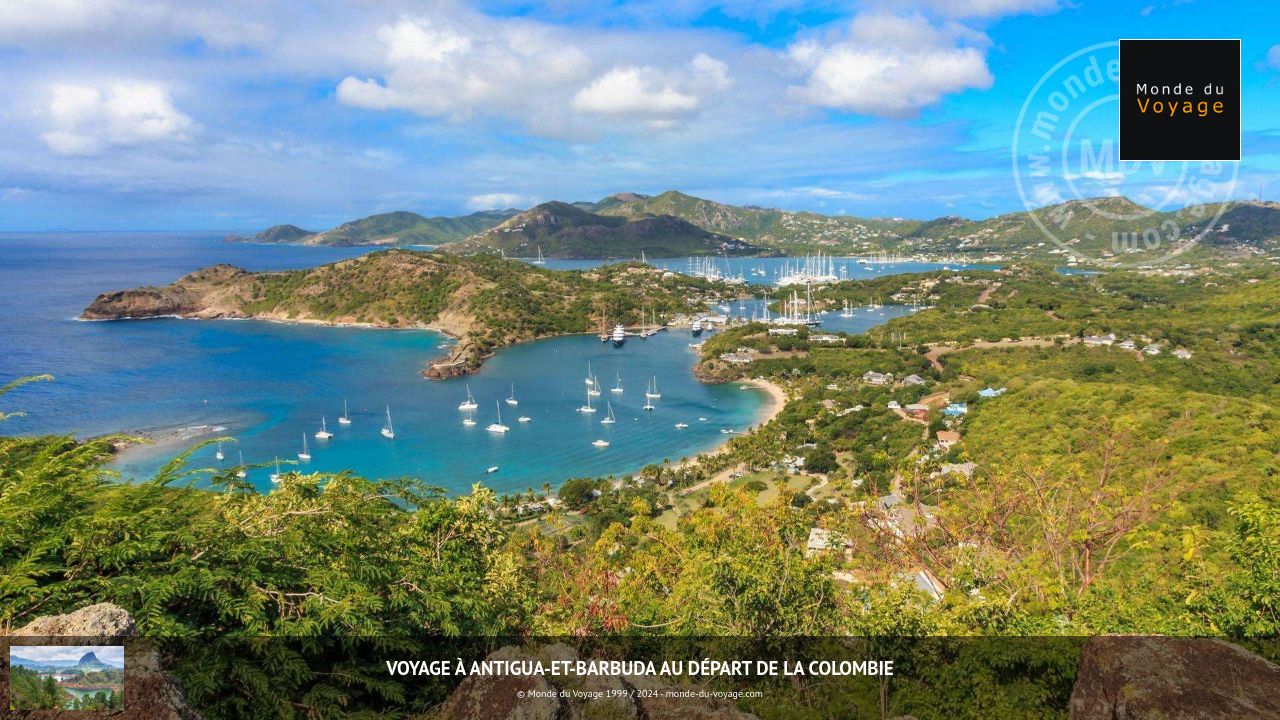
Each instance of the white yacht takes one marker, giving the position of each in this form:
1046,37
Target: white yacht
498,427
512,400
388,431
697,327
345,419
323,433
652,393
587,408
305,454
601,443
469,420
609,419
523,418
218,455
681,426
619,335
469,403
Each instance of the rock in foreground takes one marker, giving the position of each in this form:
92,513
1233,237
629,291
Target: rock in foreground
1146,678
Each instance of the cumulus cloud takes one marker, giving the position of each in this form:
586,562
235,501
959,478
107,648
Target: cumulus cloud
459,65
651,95
890,66
497,201
87,120
449,67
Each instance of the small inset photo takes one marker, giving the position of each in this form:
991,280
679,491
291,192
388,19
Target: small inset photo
66,677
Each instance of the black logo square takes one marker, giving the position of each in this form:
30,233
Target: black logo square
1179,100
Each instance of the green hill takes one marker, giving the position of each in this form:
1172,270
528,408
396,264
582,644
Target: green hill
484,301
393,228
764,226
562,230
281,234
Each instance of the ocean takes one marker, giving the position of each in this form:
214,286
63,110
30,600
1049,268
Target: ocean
267,385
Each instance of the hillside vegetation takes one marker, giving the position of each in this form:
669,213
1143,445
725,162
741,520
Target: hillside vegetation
486,302
561,230
393,228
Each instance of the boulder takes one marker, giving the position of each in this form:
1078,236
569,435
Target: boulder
103,620
1164,678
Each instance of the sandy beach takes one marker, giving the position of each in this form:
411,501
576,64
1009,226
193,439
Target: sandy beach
777,399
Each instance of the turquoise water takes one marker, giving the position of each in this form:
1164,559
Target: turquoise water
269,383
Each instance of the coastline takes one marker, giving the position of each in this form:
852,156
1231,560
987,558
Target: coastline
776,400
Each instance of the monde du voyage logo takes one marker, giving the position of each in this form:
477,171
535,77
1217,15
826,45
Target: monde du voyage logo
1179,100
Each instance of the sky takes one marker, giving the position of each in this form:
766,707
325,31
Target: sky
236,115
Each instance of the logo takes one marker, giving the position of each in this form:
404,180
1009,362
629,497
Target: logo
1083,197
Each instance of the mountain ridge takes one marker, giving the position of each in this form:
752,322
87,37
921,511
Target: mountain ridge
673,221
565,230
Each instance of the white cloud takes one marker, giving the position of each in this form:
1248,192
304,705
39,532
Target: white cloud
86,120
444,66
652,95
1273,57
891,66
558,83
497,201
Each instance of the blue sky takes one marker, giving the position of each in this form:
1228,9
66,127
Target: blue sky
147,114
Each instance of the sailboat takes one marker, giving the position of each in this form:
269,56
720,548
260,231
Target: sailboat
346,416
241,473
541,260
848,311
652,393
648,395
617,387
218,455
587,408
523,418
643,259
388,431
469,420
498,427
610,419
323,433
601,443
594,390
681,426
305,454
275,476
469,403
590,378
512,400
